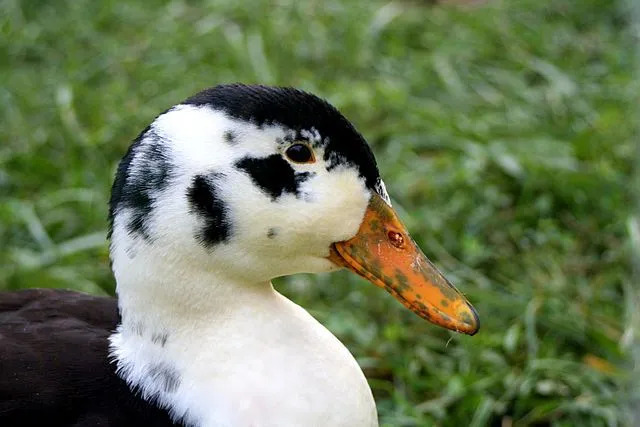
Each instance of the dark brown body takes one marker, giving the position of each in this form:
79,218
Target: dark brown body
54,363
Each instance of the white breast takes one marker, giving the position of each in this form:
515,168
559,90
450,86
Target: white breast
267,364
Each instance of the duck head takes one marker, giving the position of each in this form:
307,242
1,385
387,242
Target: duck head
255,182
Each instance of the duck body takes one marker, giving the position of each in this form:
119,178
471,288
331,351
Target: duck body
222,193
54,364
57,345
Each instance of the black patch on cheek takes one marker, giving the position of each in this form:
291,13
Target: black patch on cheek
230,137
272,232
274,175
167,378
205,202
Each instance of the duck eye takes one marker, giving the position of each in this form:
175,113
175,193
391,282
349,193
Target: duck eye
300,153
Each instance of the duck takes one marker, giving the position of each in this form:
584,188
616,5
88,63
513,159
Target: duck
220,194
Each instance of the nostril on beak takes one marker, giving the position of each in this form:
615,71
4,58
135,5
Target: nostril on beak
396,239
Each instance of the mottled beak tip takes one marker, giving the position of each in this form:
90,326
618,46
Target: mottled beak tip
383,253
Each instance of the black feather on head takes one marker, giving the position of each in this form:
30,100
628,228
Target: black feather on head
298,111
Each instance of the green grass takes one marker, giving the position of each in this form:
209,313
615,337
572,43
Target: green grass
504,134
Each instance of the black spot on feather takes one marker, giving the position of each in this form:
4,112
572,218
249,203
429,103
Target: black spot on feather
273,174
206,202
230,137
166,377
272,232
138,328
299,111
159,338
142,174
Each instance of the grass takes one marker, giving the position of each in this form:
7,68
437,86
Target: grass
504,132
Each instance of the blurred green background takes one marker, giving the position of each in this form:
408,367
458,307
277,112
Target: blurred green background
504,131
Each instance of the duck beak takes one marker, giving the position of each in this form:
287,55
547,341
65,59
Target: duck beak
384,253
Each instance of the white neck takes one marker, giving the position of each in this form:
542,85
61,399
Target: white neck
216,351
180,301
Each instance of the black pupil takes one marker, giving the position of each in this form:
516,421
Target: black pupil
299,153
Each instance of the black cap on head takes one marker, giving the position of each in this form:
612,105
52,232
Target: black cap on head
298,111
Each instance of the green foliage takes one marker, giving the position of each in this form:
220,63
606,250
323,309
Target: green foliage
504,133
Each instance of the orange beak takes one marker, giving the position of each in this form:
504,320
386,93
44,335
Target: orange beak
384,253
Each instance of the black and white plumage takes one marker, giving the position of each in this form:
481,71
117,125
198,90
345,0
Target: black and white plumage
54,364
299,116
220,194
